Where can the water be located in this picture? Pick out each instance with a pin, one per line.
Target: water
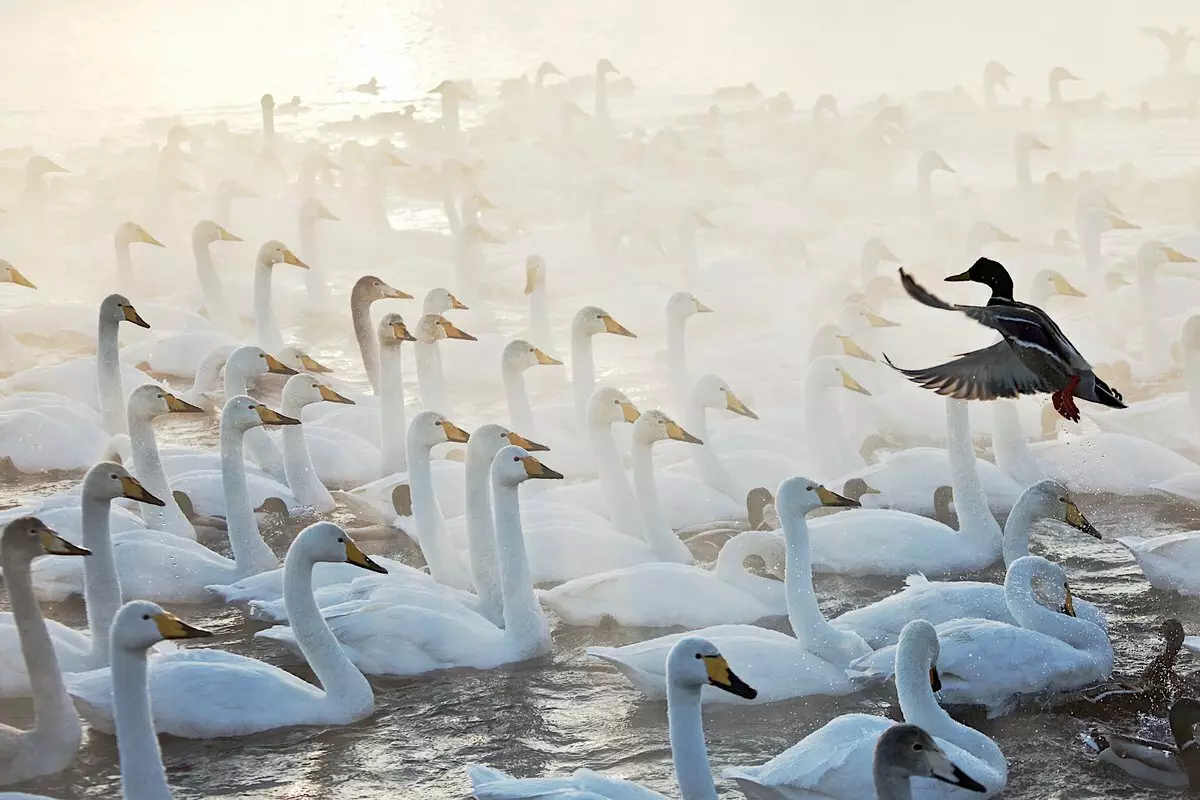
(87, 70)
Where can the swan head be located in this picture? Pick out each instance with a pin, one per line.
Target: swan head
(546, 68)
(486, 441)
(140, 624)
(797, 496)
(1152, 253)
(514, 465)
(296, 359)
(712, 392)
(276, 252)
(117, 308)
(1027, 143)
(519, 355)
(435, 327)
(242, 413)
(825, 109)
(369, 288)
(313, 210)
(997, 74)
(1052, 501)
(108, 480)
(535, 273)
(303, 390)
(326, 542)
(207, 232)
(451, 89)
(392, 331)
(26, 538)
(918, 645)
(609, 406)
(604, 66)
(439, 301)
(682, 305)
(10, 274)
(591, 320)
(904, 751)
(1060, 74)
(1051, 282)
(151, 400)
(827, 372)
(430, 428)
(131, 233)
(1024, 571)
(38, 166)
(252, 360)
(695, 662)
(655, 426)
(932, 161)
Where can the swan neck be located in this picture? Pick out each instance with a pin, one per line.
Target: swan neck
(808, 623)
(688, 750)
(124, 264)
(1024, 176)
(708, 462)
(539, 317)
(108, 377)
(524, 624)
(677, 359)
(101, 584)
(142, 774)
(430, 527)
(656, 530)
(269, 337)
(825, 426)
(298, 468)
(481, 536)
(429, 377)
(364, 333)
(974, 515)
(210, 282)
(620, 499)
(520, 413)
(1011, 451)
(392, 415)
(583, 372)
(250, 553)
(147, 464)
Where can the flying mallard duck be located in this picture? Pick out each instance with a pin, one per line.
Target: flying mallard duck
(1033, 357)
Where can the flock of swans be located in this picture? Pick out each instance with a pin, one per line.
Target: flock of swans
(673, 502)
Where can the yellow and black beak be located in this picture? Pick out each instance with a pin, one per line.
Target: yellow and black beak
(131, 315)
(1069, 601)
(851, 348)
(455, 433)
(536, 469)
(629, 412)
(877, 321)
(612, 326)
(177, 406)
(55, 545)
(330, 396)
(935, 678)
(20, 280)
(737, 406)
(226, 236)
(835, 500)
(851, 384)
(277, 367)
(172, 627)
(702, 309)
(290, 258)
(455, 303)
(544, 359)
(721, 676)
(528, 444)
(1064, 287)
(484, 204)
(960, 277)
(132, 489)
(310, 364)
(400, 331)
(272, 417)
(1075, 518)
(676, 432)
(325, 213)
(355, 556)
(144, 236)
(454, 332)
(1178, 257)
(1121, 224)
(396, 161)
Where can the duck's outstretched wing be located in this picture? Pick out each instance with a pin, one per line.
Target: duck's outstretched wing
(982, 375)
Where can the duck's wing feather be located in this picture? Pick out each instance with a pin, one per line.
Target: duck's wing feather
(985, 374)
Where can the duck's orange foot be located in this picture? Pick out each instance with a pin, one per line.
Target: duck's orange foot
(1064, 400)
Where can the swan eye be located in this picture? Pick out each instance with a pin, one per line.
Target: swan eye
(145, 616)
(341, 540)
(113, 476)
(918, 746)
(809, 489)
(699, 656)
(516, 458)
(438, 423)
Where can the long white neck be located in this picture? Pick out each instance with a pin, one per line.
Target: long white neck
(481, 537)
(520, 413)
(210, 285)
(1020, 521)
(453, 220)
(443, 561)
(368, 341)
(1024, 175)
(314, 276)
(688, 750)
(731, 565)
(539, 318)
(925, 191)
(142, 773)
(583, 372)
(250, 552)
(429, 377)
(148, 467)
(263, 451)
(124, 265)
(974, 516)
(393, 419)
(58, 731)
(525, 626)
(1154, 345)
(708, 462)
(622, 504)
(809, 625)
(101, 585)
(827, 431)
(269, 337)
(655, 529)
(208, 371)
(301, 475)
(1032, 615)
(602, 99)
(1009, 447)
(989, 94)
(111, 392)
(677, 360)
(345, 687)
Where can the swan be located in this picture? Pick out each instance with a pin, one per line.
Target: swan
(145, 403)
(1023, 147)
(410, 640)
(994, 663)
(603, 67)
(50, 746)
(127, 234)
(588, 322)
(806, 769)
(885, 542)
(366, 291)
(1168, 562)
(539, 303)
(942, 601)
(232, 695)
(813, 661)
(267, 329)
(204, 234)
(393, 426)
(680, 307)
(226, 192)
(518, 356)
(995, 75)
(929, 162)
(431, 329)
(312, 210)
(691, 665)
(244, 363)
(302, 477)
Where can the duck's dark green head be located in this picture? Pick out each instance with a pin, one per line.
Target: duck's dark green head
(991, 274)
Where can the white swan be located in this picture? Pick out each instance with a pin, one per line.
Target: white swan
(50, 746)
(1169, 562)
(806, 769)
(243, 364)
(311, 211)
(267, 329)
(691, 665)
(588, 322)
(942, 601)
(393, 424)
(203, 234)
(813, 661)
(367, 290)
(539, 303)
(129, 233)
(994, 663)
(681, 306)
(430, 330)
(519, 355)
(145, 404)
(231, 695)
(409, 640)
(302, 477)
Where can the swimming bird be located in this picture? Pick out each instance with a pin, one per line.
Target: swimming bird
(1034, 356)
